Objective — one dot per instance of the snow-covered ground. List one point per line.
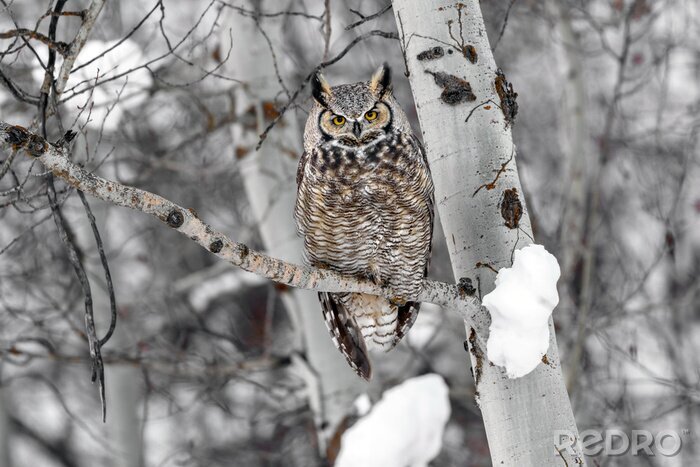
(404, 429)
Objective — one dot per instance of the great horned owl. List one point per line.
(365, 208)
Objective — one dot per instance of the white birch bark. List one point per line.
(472, 159)
(269, 178)
(125, 400)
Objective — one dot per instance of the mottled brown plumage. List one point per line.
(365, 208)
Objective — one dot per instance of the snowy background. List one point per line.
(203, 368)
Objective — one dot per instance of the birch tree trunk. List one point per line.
(125, 402)
(269, 178)
(466, 110)
(581, 161)
(123, 383)
(575, 143)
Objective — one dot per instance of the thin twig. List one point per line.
(275, 64)
(120, 41)
(16, 91)
(27, 230)
(503, 26)
(59, 46)
(253, 13)
(98, 372)
(6, 165)
(404, 46)
(364, 19)
(105, 266)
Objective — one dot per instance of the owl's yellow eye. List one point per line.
(338, 120)
(371, 115)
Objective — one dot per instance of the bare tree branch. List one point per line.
(17, 91)
(77, 44)
(105, 266)
(185, 221)
(60, 47)
(98, 371)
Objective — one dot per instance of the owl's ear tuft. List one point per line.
(320, 89)
(380, 83)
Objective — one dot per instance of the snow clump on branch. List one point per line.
(520, 307)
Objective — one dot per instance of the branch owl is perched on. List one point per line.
(365, 208)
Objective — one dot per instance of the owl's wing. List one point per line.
(407, 315)
(345, 333)
(430, 199)
(408, 312)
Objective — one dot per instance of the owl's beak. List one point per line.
(356, 129)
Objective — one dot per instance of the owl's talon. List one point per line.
(375, 279)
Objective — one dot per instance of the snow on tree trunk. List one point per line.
(520, 307)
(269, 178)
(466, 109)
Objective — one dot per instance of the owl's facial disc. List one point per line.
(356, 130)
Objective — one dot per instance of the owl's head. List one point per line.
(353, 114)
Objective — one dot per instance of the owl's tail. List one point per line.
(358, 322)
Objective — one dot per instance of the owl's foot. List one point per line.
(320, 265)
(375, 279)
(398, 301)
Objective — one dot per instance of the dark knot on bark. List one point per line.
(175, 219)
